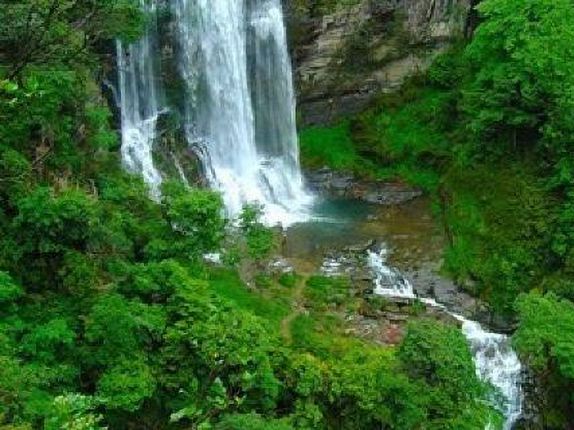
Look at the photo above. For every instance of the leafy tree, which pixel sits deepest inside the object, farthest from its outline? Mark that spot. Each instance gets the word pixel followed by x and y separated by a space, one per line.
pixel 48 342
pixel 368 391
pixel 196 219
pixel 61 31
pixel 252 421
pixel 437 358
pixel 523 54
pixel 73 412
pixel 9 291
pixel 49 225
pixel 218 358
pixel 544 341
pixel 126 385
pixel 119 328
pixel 258 237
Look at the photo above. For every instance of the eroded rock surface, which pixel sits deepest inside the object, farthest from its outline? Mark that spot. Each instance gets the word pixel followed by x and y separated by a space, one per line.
pixel 343 59
pixel 342 185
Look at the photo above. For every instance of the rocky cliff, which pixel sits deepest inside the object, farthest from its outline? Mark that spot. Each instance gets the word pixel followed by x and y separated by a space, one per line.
pixel 348 52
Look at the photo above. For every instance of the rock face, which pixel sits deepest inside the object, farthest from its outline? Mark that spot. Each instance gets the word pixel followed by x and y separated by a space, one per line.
pixel 345 58
pixel 342 185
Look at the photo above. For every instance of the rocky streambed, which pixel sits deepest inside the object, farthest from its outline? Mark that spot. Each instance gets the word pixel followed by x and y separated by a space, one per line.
pixel 345 230
pixel 390 250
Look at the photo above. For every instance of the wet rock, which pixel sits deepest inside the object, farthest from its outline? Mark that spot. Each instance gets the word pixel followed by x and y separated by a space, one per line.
pixel 395 317
pixel 362 274
pixel 279 266
pixel 342 185
pixel 361 247
pixel 390 194
pixel 535 401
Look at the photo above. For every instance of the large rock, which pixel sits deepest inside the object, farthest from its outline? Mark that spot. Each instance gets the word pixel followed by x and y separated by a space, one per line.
pixel 343 185
pixel 343 59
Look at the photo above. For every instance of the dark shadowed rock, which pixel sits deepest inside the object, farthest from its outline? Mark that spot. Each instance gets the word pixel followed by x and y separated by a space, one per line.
pixel 343 185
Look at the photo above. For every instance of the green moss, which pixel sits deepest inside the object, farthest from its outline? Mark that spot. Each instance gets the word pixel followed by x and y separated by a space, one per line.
pixel 288 280
pixel 227 285
pixel 333 147
pixel 323 336
pixel 322 291
pixel 499 217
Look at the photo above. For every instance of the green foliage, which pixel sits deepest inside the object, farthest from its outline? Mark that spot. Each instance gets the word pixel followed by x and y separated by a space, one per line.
pixel 522 56
pixel 195 217
pixel 126 385
pixel 62 31
pixel 73 412
pixel 9 291
pixel 508 223
pixel 488 131
pixel 322 291
pixel 51 223
pixel 543 335
pixel 220 358
pixel 259 239
pixel 372 393
pixel 49 341
pixel 438 355
pixel 288 280
pixel 332 147
pixel 544 341
pixel 251 421
pixel 227 285
pixel 119 328
pixel 108 316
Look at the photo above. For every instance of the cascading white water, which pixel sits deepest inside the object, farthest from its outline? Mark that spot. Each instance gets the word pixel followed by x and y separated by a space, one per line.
pixel 241 114
pixel 388 281
pixel 495 360
pixel 140 100
pixel 497 363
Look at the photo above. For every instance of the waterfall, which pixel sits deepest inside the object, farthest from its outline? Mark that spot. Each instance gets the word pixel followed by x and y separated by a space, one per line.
pixel 240 115
pixel 140 100
pixel 495 360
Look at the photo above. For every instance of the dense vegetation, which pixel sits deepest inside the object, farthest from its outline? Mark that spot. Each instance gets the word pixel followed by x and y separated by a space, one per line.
pixel 489 132
pixel 110 318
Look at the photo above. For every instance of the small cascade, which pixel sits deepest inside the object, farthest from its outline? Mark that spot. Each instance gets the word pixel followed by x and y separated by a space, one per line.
pixel 495 360
pixel 388 280
pixel 497 363
pixel 240 115
pixel 140 100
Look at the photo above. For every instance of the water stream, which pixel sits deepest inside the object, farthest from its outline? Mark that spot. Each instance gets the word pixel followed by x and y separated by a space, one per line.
pixel 495 360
